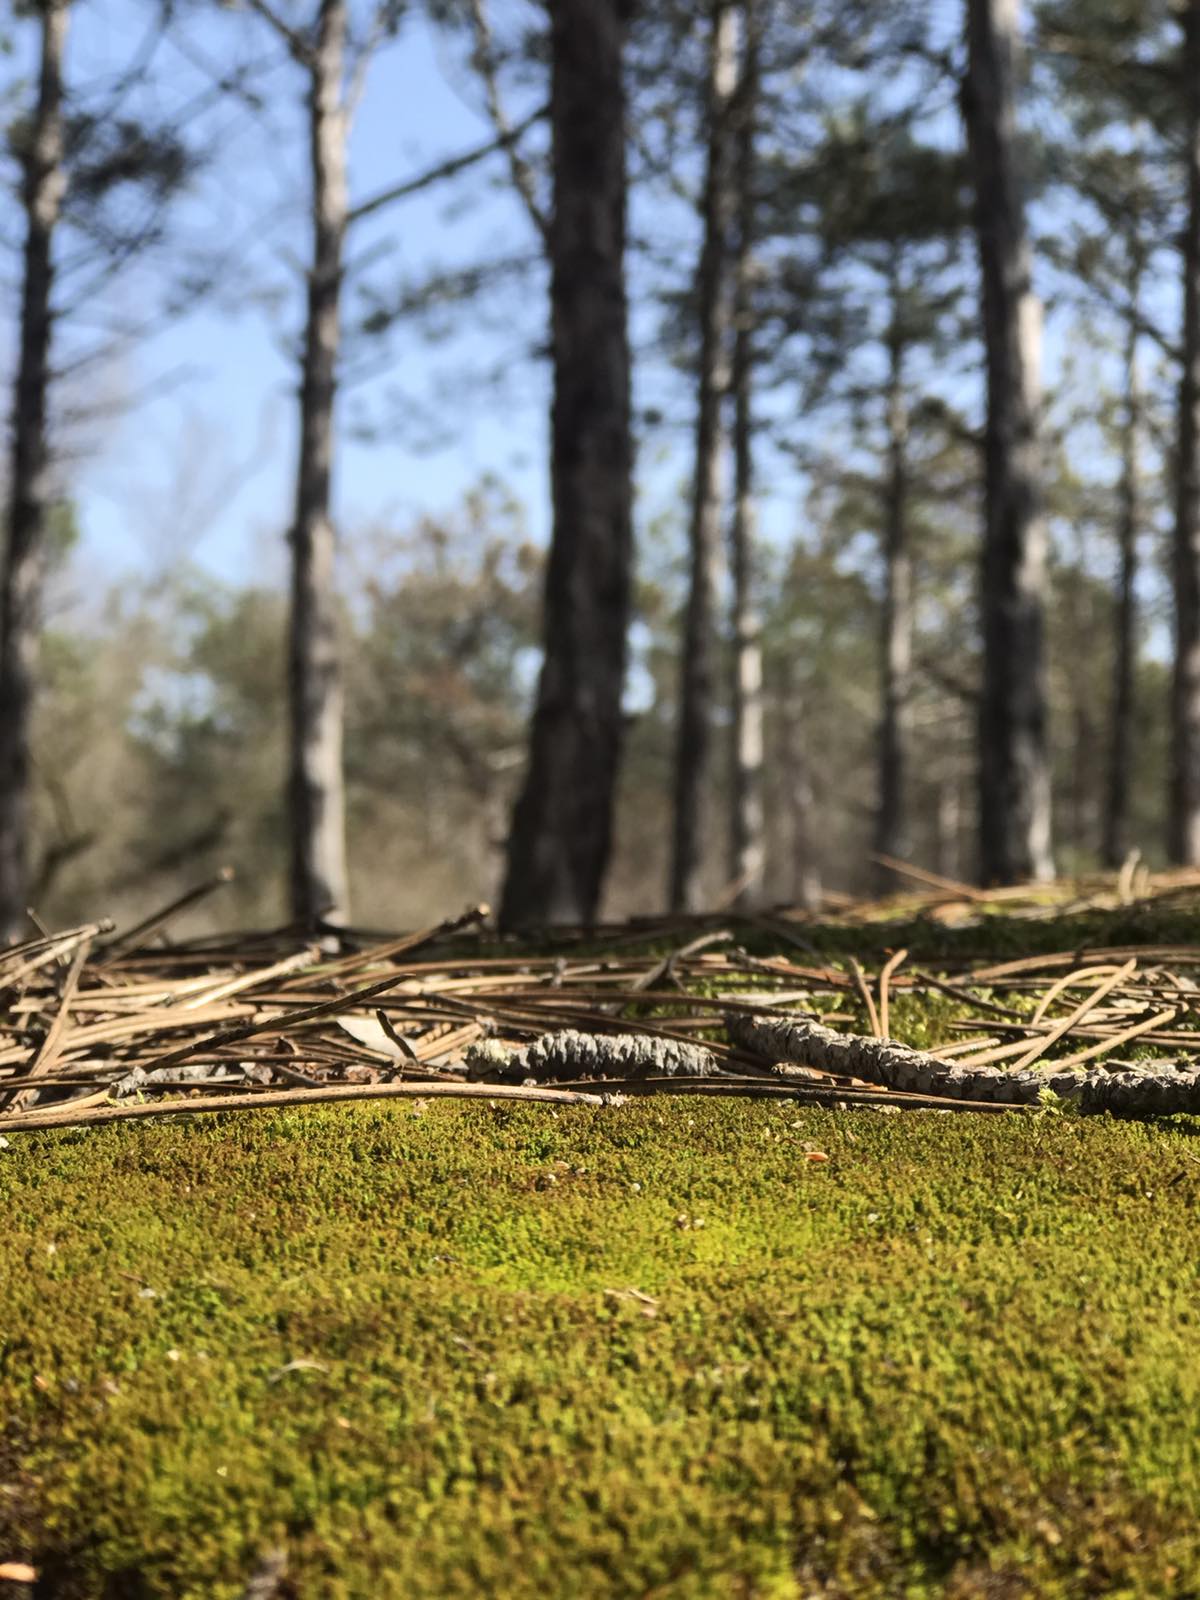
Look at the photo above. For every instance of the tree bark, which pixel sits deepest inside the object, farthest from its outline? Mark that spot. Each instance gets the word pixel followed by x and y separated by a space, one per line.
pixel 1014 773
pixel 319 879
pixel 1184 833
pixel 1117 840
pixel 562 824
pixel 896 645
pixel 697 667
pixel 748 849
pixel 21 580
pixel 797 775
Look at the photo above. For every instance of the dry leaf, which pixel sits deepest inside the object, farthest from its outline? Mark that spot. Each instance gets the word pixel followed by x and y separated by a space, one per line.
pixel 17 1572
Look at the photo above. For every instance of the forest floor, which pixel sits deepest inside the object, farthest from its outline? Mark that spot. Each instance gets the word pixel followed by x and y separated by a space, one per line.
pixel 678 1346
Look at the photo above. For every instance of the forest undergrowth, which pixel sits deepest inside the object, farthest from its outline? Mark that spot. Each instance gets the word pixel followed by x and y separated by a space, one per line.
pixel 675 1346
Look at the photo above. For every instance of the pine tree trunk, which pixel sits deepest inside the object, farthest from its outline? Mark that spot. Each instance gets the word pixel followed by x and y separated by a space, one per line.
pixel 1184 839
pixel 697 668
pixel 748 849
pixel 1014 796
pixel 797 775
pixel 562 826
pixel 1120 757
pixel 21 578
pixel 897 634
pixel 319 880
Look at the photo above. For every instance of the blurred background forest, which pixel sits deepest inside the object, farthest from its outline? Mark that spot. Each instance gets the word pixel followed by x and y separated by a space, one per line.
pixel 872 564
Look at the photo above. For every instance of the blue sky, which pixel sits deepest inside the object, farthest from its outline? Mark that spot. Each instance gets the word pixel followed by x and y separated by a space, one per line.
pixel 194 456
pixel 201 468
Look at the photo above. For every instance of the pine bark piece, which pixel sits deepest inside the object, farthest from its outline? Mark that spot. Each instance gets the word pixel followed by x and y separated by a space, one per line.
pixel 569 1054
pixel 562 825
pixel 1136 1092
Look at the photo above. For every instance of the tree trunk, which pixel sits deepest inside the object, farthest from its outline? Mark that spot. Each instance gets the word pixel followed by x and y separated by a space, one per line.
pixel 562 825
pixel 697 674
pixel 1120 757
pixel 1014 794
pixel 1184 839
pixel 748 848
pixel 897 640
pixel 797 777
pixel 21 579
pixel 319 880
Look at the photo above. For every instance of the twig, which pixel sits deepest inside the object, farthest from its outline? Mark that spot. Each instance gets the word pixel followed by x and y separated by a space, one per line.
pixel 68 1116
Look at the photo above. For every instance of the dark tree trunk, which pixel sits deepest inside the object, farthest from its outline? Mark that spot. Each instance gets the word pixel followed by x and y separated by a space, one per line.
pixel 319 880
pixel 697 668
pixel 748 848
pixel 21 579
pixel 1014 809
pixel 562 825
pixel 1184 840
pixel 1120 756
pixel 897 633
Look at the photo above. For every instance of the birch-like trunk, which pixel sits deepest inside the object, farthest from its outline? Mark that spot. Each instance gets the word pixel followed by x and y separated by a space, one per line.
pixel 697 667
pixel 319 880
pixel 896 643
pixel 1117 839
pixel 21 578
pixel 562 825
pixel 748 845
pixel 1184 834
pixel 1014 809
pixel 801 805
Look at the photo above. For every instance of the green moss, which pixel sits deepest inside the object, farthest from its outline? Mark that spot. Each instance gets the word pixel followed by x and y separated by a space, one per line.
pixel 956 1358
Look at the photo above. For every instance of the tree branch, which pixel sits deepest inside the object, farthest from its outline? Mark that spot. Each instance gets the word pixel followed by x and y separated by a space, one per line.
pixel 450 168
pixel 522 172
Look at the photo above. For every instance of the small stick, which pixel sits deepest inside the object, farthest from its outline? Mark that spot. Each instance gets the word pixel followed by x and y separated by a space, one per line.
pixel 126 943
pixel 1080 1012
pixel 885 978
pixel 68 1116
pixel 50 1048
pixel 864 994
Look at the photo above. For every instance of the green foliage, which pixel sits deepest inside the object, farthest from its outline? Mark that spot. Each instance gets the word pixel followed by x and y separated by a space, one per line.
pixel 453 1351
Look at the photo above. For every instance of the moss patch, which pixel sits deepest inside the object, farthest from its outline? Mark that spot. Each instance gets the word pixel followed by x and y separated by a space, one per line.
pixel 646 1350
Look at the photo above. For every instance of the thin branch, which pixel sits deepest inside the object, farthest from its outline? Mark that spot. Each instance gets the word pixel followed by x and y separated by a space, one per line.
pixel 450 168
pixel 522 172
pixel 299 46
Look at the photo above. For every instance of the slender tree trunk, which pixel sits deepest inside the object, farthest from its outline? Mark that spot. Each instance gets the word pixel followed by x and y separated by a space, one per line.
pixel 946 827
pixel 1120 756
pixel 697 671
pixel 21 578
pixel 562 825
pixel 797 773
pixel 1014 774
pixel 319 879
pixel 1184 840
pixel 897 640
pixel 748 844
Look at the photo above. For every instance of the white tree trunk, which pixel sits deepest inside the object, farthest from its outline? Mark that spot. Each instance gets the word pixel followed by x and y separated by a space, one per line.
pixel 319 879
pixel 697 668
pixel 748 844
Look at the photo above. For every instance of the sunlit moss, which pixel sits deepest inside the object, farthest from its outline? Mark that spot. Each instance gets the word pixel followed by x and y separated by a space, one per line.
pixel 649 1349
